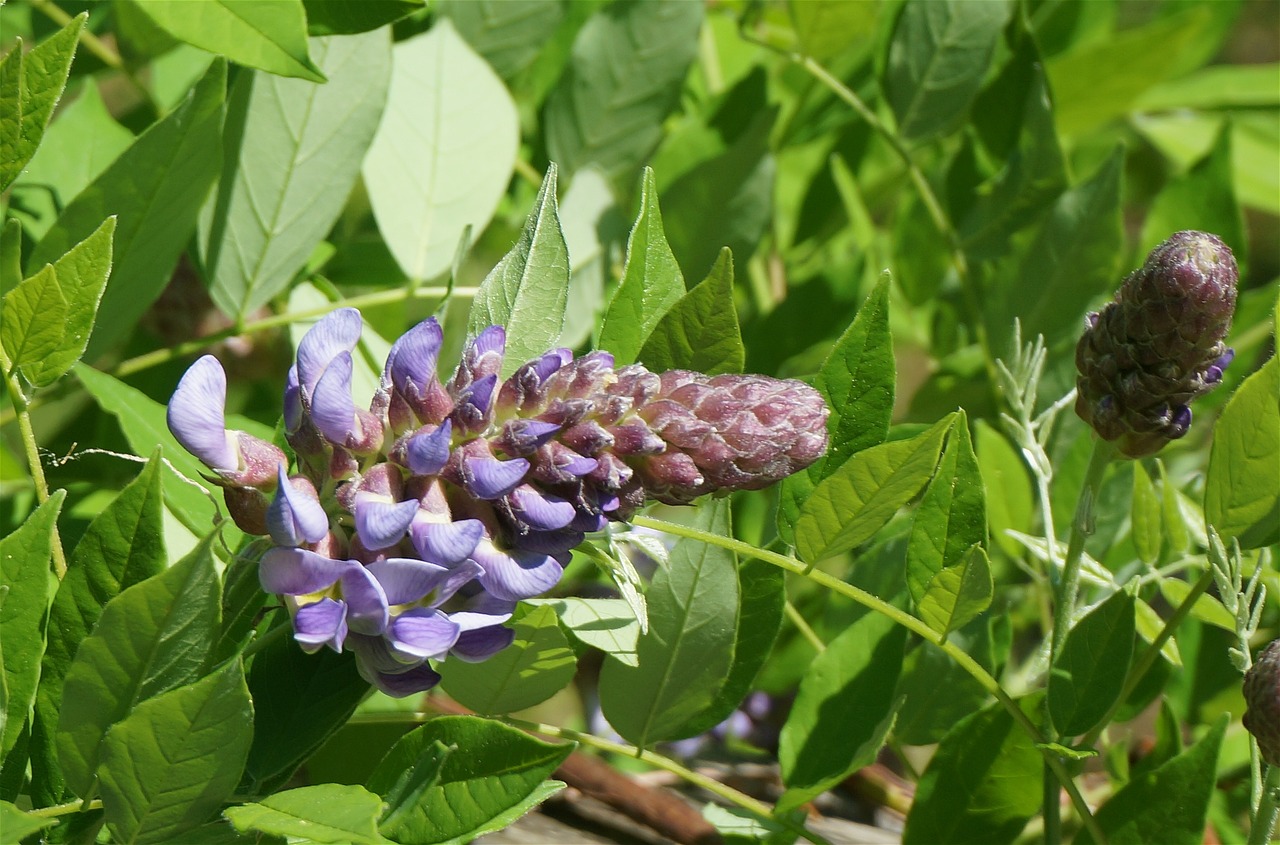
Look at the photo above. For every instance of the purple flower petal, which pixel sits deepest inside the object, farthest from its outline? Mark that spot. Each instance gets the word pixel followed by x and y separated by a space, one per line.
pixel 380 523
pixel 423 632
pixel 492 339
pixel 540 511
pixel 481 643
pixel 489 478
pixel 458 577
pixel 375 655
pixel 480 394
pixel 292 400
pixel 331 407
pixel 336 332
pixel 549 363
pixel 427 451
pixel 417 679
pixel 294 517
pixel 197 415
pixel 515 575
pixel 521 436
pixel 445 543
pixel 412 359
pixel 319 624
pixel 551 542
pixel 366 602
pixel 298 572
pixel 406 580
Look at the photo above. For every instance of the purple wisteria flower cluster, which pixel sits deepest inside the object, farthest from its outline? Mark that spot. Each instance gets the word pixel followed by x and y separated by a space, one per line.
pixel 407 532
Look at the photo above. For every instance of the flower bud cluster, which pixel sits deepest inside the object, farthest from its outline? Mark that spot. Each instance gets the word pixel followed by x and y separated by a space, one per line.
pixel 1262 699
pixel 1158 345
pixel 408 531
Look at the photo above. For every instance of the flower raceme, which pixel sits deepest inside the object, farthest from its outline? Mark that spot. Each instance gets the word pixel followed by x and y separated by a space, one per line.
pixel 408 531
pixel 1158 345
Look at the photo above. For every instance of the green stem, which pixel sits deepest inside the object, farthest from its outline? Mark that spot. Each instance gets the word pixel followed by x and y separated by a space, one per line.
pixel 802 625
pixel 32 448
pixel 99 48
pixel 1068 586
pixel 757 808
pixel 906 620
pixel 59 810
pixel 1264 821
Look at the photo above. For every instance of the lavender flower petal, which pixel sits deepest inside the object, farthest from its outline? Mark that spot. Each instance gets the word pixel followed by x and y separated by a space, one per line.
pixel 427 451
pixel 367 611
pixel 445 543
pixel 516 574
pixel 417 679
pixel 490 478
pixel 294 517
pixel 423 632
pixel 298 572
pixel 381 523
pixel 459 576
pixel 197 415
pixel 332 409
pixel 334 333
pixel 319 624
pixel 479 643
pixel 406 580
pixel 540 511
pixel 412 359
pixel 292 400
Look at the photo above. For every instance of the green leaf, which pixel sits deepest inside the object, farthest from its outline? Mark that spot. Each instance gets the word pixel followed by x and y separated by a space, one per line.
pixel 10 255
pixel 651 282
pixel 271 211
pixel 687 652
pixel 155 189
pixel 1071 261
pixel 857 380
pixel 537 665
pixel 269 36
pixel 528 289
pixel 30 87
pixel 493 774
pixel 1169 804
pixel 299 701
pixel 347 17
pixel 444 152
pixel 763 590
pixel 1206 608
pixel 1103 78
pixel 47 326
pixel 18 825
pixel 25 556
pixel 843 710
pixel 1149 624
pixel 1185 137
pixel 938 693
pixel 1201 199
pixel 174 760
pixel 34 315
pixel 123 546
pixel 607 624
pixel 624 77
pixel 1175 524
pixel 830 28
pixel 1006 487
pixel 938 57
pixel 142 420
pixel 78 146
pixel 1087 677
pixel 700 331
pixel 982 785
pixel 1217 87
pixel 947 571
pixel 1241 498
pixel 150 638
pixel 1145 516
pixel 508 33
pixel 327 812
pixel 852 504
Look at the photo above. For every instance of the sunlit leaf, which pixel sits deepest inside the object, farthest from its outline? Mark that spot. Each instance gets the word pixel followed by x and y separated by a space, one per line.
pixel 537 665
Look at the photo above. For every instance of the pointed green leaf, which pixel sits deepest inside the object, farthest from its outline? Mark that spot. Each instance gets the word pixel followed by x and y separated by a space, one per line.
pixel 65 306
pixel 510 34
pixel 271 211
pixel 938 57
pixel 347 17
pixel 528 289
pixel 1175 525
pixel 947 571
pixel 607 624
pixel 1167 805
pixel 852 504
pixel 983 784
pixel 830 28
pixel 123 546
pixel 688 650
pixel 651 282
pixel 150 638
pixel 155 188
pixel 24 564
pixel 1241 497
pixel 624 77
pixel 843 710
pixel 34 315
pixel 176 758
pixel 1006 486
pixel 18 825
pixel 327 812
pixel 269 36
pixel 30 86
pixel 444 152
pixel 485 785
pixel 700 331
pixel 857 380
pixel 537 665
pixel 1145 516
pixel 1087 677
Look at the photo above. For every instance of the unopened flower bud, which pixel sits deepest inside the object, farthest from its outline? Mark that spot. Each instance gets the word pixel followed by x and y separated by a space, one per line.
pixel 1262 698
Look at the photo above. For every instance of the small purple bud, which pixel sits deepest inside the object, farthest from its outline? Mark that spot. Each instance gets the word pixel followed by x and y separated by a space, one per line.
pixel 427 450
pixel 411 363
pixel 331 407
pixel 295 515
pixel 520 437
pixel 490 478
pixel 292 400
